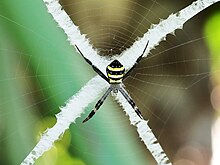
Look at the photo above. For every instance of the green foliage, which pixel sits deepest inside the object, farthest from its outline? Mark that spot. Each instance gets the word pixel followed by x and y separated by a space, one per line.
pixel 212 31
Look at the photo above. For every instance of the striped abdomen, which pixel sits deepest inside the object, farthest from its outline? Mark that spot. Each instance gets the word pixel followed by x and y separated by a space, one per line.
pixel 115 72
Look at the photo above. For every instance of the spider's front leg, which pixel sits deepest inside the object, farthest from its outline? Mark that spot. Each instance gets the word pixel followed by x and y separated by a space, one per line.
pixel 93 66
pixel 137 61
pixel 130 101
pixel 98 104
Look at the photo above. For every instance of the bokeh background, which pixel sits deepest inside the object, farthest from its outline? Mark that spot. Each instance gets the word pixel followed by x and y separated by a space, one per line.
pixel 176 87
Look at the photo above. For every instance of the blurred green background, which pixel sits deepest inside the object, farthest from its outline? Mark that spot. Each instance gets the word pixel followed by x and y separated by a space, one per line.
pixel 39 71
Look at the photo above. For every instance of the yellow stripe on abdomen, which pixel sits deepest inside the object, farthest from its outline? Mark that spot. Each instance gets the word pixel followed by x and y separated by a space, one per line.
pixel 115 76
pixel 116 69
pixel 111 81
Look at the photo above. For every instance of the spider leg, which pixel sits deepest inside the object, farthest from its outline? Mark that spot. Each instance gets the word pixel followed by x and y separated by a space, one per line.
pixel 93 66
pixel 130 101
pixel 98 104
pixel 137 61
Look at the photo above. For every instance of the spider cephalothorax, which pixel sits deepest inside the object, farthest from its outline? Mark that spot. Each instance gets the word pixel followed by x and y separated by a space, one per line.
pixel 115 75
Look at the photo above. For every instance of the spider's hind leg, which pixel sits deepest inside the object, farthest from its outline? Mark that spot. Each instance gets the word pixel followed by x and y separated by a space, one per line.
pixel 98 105
pixel 130 101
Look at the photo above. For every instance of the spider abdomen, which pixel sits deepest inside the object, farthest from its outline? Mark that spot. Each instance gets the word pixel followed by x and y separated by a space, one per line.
pixel 115 72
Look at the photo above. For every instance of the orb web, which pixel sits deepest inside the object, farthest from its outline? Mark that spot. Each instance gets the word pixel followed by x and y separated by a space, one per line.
pixel 170 86
pixel 167 84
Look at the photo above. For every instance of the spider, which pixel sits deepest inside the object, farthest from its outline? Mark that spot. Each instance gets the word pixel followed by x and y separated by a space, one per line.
pixel 115 75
